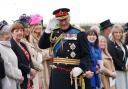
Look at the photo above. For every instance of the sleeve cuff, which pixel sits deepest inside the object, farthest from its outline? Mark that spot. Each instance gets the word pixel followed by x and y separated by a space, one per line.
pixel 47 31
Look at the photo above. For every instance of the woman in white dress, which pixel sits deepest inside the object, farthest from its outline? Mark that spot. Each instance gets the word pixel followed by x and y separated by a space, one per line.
pixel 13 76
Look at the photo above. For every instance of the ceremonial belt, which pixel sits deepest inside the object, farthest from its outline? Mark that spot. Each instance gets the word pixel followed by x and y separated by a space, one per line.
pixel 66 61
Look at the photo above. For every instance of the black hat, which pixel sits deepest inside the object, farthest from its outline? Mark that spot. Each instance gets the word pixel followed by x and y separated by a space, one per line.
pixel 24 20
pixel 2 24
pixel 61 13
pixel 125 26
pixel 105 24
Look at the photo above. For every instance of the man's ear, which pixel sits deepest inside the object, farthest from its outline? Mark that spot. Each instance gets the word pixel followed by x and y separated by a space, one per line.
pixel 69 18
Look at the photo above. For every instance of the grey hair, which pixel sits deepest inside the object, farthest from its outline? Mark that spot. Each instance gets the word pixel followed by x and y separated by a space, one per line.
pixel 96 28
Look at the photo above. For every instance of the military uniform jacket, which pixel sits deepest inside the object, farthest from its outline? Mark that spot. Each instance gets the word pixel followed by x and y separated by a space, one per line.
pixel 71 44
pixel 68 44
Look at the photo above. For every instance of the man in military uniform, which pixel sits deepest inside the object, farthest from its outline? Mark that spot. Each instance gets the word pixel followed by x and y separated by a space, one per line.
pixel 70 52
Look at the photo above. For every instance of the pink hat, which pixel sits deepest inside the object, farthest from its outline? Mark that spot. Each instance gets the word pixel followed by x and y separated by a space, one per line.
pixel 35 19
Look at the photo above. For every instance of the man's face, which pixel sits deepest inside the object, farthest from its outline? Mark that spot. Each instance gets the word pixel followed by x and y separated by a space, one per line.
pixel 64 23
pixel 107 31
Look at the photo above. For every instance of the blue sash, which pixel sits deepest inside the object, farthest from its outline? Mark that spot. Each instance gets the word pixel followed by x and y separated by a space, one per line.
pixel 58 45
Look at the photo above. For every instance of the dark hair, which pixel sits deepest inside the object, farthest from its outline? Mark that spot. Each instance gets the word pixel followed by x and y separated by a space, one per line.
pixel 126 38
pixel 91 32
pixel 24 20
pixel 125 26
pixel 16 25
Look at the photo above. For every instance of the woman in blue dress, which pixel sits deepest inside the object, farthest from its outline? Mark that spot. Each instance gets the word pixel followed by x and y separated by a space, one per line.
pixel 95 53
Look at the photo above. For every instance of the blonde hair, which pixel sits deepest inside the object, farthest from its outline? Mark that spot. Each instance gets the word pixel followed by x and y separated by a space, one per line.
pixel 33 39
pixel 117 27
pixel 105 50
pixel 33 28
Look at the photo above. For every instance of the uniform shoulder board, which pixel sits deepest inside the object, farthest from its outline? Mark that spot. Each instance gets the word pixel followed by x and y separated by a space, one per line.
pixel 79 28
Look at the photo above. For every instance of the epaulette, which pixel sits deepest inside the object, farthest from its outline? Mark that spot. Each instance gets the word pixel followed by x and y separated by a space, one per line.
pixel 80 29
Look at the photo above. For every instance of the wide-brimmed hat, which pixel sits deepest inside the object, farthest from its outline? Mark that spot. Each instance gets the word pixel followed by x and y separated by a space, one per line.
pixel 105 24
pixel 36 19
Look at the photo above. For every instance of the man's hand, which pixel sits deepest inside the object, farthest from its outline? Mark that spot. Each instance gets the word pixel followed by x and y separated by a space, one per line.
pixel 88 74
pixel 76 71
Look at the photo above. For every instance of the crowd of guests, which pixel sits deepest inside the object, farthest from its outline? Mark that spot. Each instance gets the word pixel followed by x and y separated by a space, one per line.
pixel 23 65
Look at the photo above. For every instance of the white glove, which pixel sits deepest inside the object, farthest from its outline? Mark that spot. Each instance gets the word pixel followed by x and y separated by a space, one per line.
pixel 51 25
pixel 76 71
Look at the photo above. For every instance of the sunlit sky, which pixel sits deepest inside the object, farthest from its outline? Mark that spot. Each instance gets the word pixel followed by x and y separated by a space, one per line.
pixel 82 11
